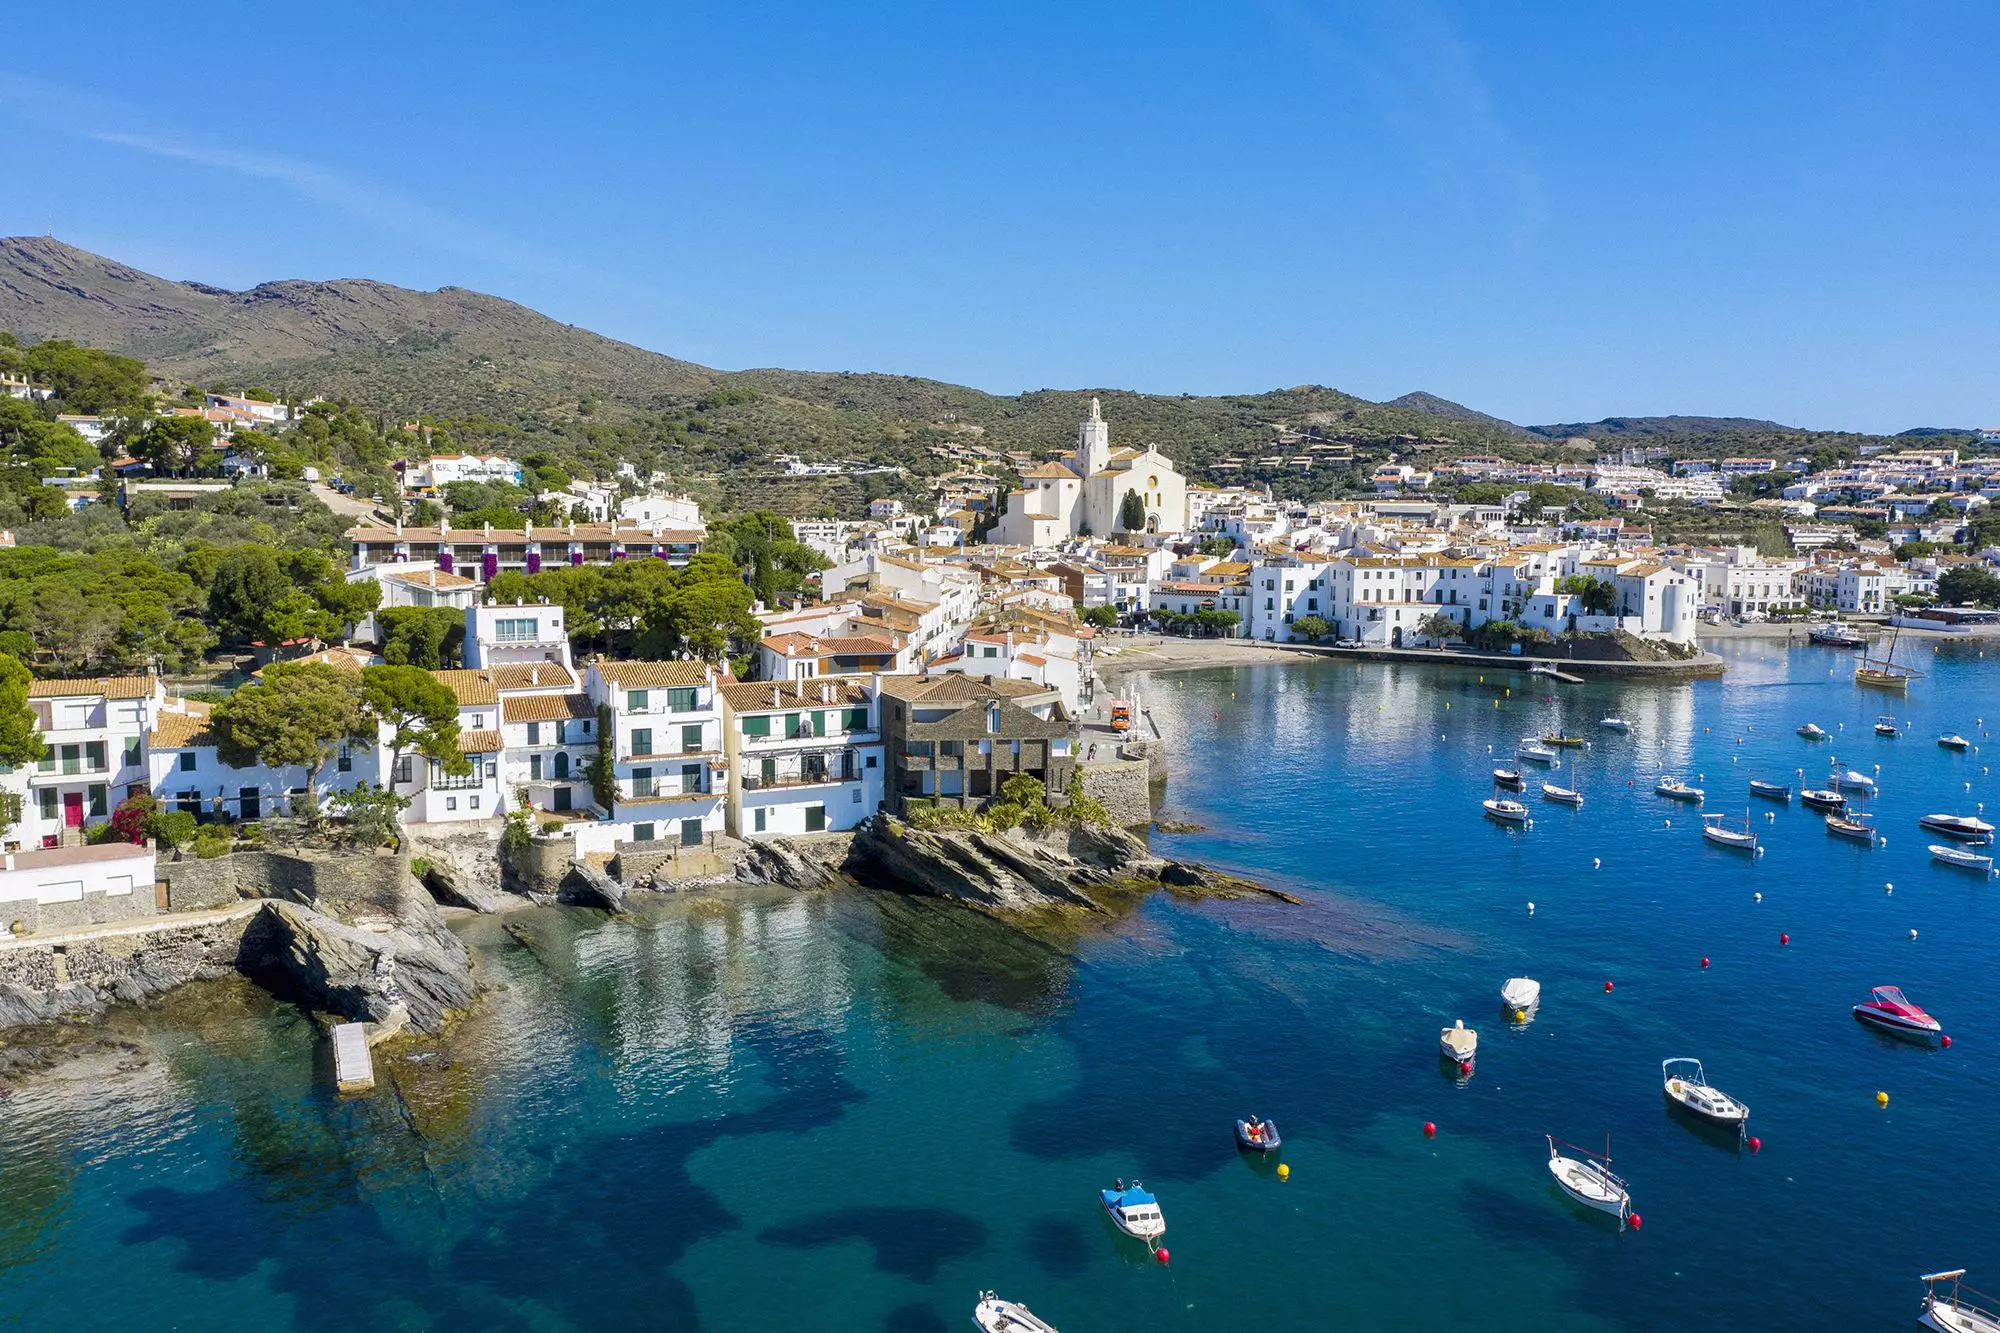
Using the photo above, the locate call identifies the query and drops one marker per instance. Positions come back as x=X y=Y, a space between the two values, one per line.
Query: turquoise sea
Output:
x=850 y=1110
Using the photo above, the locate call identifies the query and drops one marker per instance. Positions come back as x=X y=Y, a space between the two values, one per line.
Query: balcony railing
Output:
x=758 y=782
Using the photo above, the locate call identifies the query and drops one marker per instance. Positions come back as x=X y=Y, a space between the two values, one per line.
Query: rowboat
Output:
x=1676 y=790
x=1507 y=777
x=1736 y=839
x=1770 y=791
x=1615 y=723
x=1953 y=1313
x=1687 y=1087
x=1965 y=828
x=1588 y=1180
x=1561 y=795
x=1505 y=811
x=995 y=1315
x=1964 y=860
x=1565 y=742
x=1854 y=827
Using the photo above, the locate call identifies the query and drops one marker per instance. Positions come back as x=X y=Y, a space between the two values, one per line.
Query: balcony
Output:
x=667 y=756
x=757 y=782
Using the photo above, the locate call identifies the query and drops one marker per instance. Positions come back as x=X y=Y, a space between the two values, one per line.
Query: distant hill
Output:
x=1432 y=405
x=1934 y=432
x=1657 y=426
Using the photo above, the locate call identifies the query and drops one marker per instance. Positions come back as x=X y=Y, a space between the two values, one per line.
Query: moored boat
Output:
x=1563 y=742
x=1954 y=741
x=1964 y=860
x=1770 y=791
x=1884 y=672
x=996 y=1315
x=1519 y=995
x=1505 y=811
x=1885 y=725
x=1837 y=635
x=1716 y=830
x=1854 y=827
x=1615 y=723
x=1858 y=781
x=1258 y=1135
x=1952 y=1313
x=1812 y=731
x=1821 y=799
x=1892 y=1011
x=1533 y=750
x=1507 y=777
x=1965 y=828
x=1458 y=1042
x=1687 y=1087
x=1133 y=1211
x=1561 y=795
x=1587 y=1178
x=1676 y=790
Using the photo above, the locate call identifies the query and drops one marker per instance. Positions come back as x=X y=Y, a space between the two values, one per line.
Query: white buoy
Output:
x=1881 y=841
x=1597 y=863
x=1913 y=934
x=1670 y=823
x=1531 y=909
x=1889 y=887
x=1760 y=897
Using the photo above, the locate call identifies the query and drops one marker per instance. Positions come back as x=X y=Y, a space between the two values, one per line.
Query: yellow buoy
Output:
x=1284 y=1172
x=1881 y=1099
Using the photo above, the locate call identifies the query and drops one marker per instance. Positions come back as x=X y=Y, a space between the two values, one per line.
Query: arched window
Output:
x=561 y=766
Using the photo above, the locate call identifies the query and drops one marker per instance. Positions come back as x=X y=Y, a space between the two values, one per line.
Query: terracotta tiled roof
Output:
x=182 y=731
x=653 y=675
x=471 y=687
x=956 y=687
x=531 y=676
x=1051 y=471
x=546 y=707
x=435 y=579
x=774 y=696
x=111 y=687
x=478 y=742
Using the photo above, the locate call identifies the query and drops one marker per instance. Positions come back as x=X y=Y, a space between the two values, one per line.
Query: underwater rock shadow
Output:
x=909 y=1242
x=914 y=1319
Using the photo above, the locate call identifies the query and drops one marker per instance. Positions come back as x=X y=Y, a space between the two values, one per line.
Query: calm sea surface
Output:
x=853 y=1111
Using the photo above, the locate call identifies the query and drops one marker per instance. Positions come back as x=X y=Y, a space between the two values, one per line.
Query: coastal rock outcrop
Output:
x=586 y=885
x=795 y=865
x=361 y=973
x=1009 y=872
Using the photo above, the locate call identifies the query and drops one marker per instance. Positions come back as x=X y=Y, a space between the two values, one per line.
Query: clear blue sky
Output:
x=1548 y=211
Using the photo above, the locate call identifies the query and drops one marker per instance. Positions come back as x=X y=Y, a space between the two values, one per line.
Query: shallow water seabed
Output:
x=854 y=1110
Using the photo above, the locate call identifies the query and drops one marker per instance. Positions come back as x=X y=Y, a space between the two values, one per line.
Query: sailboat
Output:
x=1588 y=1179
x=1884 y=672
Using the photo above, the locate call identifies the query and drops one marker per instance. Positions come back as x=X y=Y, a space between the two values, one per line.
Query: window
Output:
x=93 y=755
x=514 y=631
x=642 y=833
x=100 y=800
x=681 y=700
x=690 y=778
x=187 y=761
x=132 y=753
x=535 y=732
x=642 y=740
x=993 y=719
x=691 y=738
x=642 y=782
x=759 y=727
x=475 y=802
x=871 y=761
x=856 y=794
x=345 y=763
x=758 y=822
x=561 y=800
x=47 y=796
x=404 y=770
x=767 y=772
x=815 y=819
x=795 y=726
x=635 y=701
x=492 y=768
x=534 y=768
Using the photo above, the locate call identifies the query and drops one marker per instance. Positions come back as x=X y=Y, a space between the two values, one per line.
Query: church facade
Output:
x=1083 y=494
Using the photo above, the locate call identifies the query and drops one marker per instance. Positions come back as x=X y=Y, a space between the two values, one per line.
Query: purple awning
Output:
x=444 y=560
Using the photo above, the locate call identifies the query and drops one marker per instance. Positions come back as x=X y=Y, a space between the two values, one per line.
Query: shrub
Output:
x=171 y=828
x=372 y=815
x=1003 y=815
x=210 y=842
x=552 y=826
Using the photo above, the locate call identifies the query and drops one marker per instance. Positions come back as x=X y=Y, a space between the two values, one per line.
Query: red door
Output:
x=72 y=809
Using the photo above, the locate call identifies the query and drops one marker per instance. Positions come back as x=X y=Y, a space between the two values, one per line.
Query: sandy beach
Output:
x=1151 y=652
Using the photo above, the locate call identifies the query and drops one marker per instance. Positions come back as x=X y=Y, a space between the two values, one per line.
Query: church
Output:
x=1084 y=493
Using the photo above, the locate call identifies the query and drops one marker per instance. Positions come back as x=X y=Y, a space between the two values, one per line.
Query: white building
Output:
x=441 y=470
x=69 y=886
x=95 y=731
x=806 y=756
x=1085 y=493
x=669 y=777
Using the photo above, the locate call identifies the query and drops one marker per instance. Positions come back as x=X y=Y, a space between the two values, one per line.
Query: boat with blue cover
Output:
x=1133 y=1211
x=1258 y=1135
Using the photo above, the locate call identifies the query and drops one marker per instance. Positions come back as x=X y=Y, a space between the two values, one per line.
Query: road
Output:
x=347 y=506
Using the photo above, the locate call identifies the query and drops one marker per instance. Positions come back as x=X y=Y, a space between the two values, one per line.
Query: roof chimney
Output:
x=534 y=675
x=774 y=695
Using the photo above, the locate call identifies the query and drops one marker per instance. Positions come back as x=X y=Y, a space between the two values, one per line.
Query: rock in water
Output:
x=1008 y=872
x=449 y=883
x=587 y=886
x=787 y=864
x=364 y=975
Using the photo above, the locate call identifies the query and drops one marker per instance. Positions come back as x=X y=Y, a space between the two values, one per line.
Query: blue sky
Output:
x=1547 y=211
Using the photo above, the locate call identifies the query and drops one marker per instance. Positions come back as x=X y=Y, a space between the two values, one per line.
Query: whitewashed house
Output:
x=805 y=756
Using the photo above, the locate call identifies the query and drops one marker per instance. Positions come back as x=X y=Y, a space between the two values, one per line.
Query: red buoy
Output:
x=1634 y=1221
x=1430 y=1129
x=1756 y=1144
x=1704 y=962
x=1465 y=1066
x=1607 y=988
x=1945 y=1042
x=1784 y=939
x=1161 y=1254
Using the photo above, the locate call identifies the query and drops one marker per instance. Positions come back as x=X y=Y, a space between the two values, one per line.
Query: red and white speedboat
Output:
x=1890 y=1010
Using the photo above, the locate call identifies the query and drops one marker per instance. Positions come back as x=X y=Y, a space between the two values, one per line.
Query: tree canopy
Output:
x=296 y=717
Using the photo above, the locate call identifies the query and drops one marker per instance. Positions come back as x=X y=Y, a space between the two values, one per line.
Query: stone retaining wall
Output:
x=81 y=977
x=663 y=861
x=1123 y=787
x=93 y=909
x=348 y=879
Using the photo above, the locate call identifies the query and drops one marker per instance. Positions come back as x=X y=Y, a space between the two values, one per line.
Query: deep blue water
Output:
x=852 y=1111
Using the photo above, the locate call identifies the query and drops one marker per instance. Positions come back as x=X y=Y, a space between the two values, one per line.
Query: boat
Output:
x=1837 y=635
x=1458 y=1042
x=1884 y=672
x=1889 y=1009
x=1965 y=828
x=1540 y=670
x=1954 y=741
x=1520 y=994
x=1688 y=1088
x=1614 y=723
x=1853 y=826
x=1507 y=777
x=1675 y=789
x=1561 y=795
x=1812 y=731
x=1588 y=1179
x=1770 y=791
x=1565 y=742
x=1885 y=725
x=1964 y=860
x=1858 y=781
x=1258 y=1135
x=1506 y=811
x=1532 y=749
x=1133 y=1211
x=1822 y=799
x=1002 y=1316
x=1954 y=1314
x=1716 y=831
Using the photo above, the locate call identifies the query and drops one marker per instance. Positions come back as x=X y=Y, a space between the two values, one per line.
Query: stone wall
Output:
x=1123 y=788
x=664 y=861
x=348 y=881
x=93 y=909
x=80 y=978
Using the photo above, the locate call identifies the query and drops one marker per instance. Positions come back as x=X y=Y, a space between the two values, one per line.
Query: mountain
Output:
x=1432 y=405
x=1657 y=426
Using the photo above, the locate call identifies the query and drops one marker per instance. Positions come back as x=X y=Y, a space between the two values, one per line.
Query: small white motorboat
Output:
x=1615 y=723
x=1002 y=1316
x=1520 y=994
x=1965 y=828
x=1561 y=795
x=1588 y=1180
x=1812 y=731
x=1771 y=791
x=1964 y=860
x=1458 y=1043
x=1858 y=781
x=1688 y=1088
x=1133 y=1211
x=1953 y=1313
x=1676 y=790
x=1736 y=839
x=1532 y=749
x=1820 y=798
x=1892 y=1011
x=1507 y=777
x=1885 y=725
x=1954 y=741
x=1506 y=811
